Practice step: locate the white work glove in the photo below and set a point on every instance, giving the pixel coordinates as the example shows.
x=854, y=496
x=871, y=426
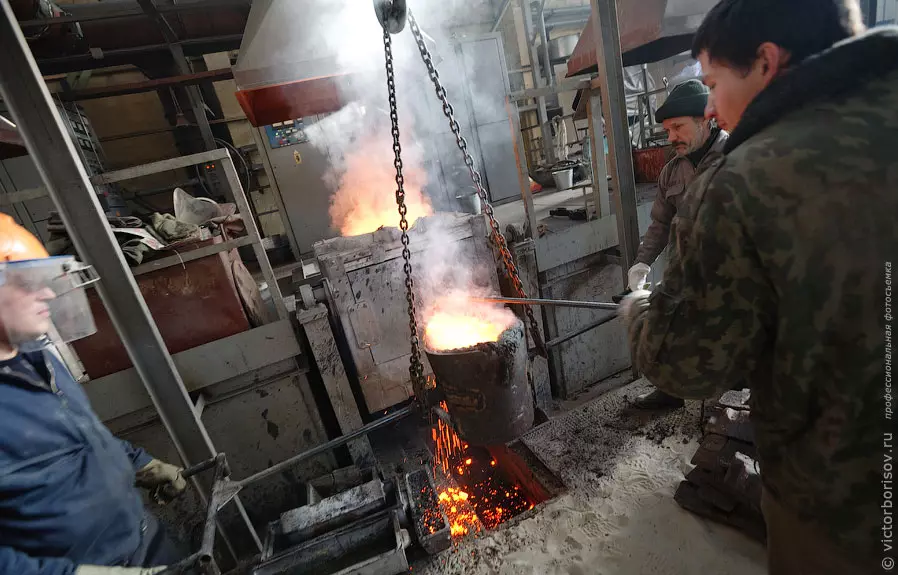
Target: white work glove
x=101, y=570
x=162, y=480
x=637, y=275
x=633, y=303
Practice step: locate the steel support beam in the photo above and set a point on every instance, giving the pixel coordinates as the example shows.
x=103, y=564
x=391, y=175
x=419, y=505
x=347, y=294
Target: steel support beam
x=125, y=56
x=611, y=81
x=544, y=43
x=102, y=12
x=26, y=95
x=596, y=135
x=193, y=92
x=537, y=82
x=177, y=52
x=189, y=79
x=502, y=10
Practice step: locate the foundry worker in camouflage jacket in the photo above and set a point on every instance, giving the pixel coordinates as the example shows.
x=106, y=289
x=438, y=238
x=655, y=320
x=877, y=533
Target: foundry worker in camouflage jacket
x=783, y=261
x=698, y=143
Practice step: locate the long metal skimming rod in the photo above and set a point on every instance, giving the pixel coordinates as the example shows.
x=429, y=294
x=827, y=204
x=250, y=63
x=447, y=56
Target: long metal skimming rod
x=549, y=302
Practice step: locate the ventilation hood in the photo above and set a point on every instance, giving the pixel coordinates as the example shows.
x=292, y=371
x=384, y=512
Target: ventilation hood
x=289, y=66
x=650, y=30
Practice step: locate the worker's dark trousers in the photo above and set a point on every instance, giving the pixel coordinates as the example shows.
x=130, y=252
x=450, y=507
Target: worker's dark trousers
x=156, y=547
x=795, y=547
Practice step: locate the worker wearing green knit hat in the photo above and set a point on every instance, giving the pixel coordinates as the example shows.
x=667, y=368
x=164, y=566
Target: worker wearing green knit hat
x=697, y=144
x=685, y=100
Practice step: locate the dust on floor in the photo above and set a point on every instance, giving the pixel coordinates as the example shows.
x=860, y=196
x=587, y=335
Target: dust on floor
x=618, y=516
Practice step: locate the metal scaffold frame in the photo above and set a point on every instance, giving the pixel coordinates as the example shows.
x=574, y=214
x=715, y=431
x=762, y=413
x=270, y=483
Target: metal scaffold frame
x=38, y=121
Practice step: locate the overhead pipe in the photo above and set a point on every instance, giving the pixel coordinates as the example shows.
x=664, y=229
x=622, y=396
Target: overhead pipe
x=94, y=31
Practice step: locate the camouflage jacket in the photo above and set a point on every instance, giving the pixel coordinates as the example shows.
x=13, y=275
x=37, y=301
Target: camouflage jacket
x=676, y=175
x=783, y=251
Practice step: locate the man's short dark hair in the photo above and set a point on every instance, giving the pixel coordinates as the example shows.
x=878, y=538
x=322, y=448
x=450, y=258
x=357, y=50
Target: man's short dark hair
x=734, y=29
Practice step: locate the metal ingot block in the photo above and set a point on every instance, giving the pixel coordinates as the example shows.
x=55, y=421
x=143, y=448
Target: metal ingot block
x=430, y=523
x=309, y=521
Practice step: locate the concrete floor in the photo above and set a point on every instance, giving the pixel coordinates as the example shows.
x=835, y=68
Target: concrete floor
x=618, y=516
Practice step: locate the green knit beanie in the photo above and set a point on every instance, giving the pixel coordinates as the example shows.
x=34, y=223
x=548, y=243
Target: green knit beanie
x=686, y=99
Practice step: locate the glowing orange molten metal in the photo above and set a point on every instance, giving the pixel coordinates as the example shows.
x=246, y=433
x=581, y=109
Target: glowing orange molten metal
x=366, y=196
x=456, y=322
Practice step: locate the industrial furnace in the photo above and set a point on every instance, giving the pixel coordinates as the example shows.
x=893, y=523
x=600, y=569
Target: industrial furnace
x=365, y=292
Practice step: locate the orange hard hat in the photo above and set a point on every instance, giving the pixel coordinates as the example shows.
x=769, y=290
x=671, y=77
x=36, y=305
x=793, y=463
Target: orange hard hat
x=17, y=243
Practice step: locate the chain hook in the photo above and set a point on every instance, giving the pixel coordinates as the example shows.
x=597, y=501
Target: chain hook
x=391, y=14
x=495, y=234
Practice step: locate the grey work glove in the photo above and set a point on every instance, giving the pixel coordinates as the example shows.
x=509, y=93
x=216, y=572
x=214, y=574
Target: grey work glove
x=632, y=304
x=162, y=480
x=101, y=570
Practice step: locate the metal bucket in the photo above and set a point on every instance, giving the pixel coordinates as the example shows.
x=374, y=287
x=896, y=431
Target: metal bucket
x=564, y=179
x=486, y=388
x=470, y=203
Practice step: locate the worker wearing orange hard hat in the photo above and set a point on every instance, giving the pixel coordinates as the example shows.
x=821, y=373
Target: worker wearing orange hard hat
x=68, y=502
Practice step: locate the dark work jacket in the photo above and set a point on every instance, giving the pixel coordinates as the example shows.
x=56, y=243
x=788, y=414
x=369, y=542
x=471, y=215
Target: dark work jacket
x=67, y=494
x=677, y=174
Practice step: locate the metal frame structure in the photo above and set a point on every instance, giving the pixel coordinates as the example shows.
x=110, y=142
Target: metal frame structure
x=40, y=125
x=614, y=107
x=224, y=160
x=225, y=490
x=564, y=253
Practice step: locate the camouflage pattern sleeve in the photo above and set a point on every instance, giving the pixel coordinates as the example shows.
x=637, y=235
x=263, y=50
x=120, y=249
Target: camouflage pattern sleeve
x=658, y=234
x=705, y=327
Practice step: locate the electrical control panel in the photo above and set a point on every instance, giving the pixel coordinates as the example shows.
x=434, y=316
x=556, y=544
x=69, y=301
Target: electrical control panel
x=288, y=133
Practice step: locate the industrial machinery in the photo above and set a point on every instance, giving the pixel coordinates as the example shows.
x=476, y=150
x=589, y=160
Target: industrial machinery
x=472, y=398
x=481, y=400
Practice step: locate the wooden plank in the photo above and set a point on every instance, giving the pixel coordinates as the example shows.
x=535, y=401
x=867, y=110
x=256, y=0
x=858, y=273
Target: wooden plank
x=123, y=392
x=711, y=453
x=732, y=423
x=196, y=254
x=736, y=399
x=330, y=366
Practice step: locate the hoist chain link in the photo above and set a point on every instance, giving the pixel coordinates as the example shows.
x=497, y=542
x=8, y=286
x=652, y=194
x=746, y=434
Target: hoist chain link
x=497, y=237
x=416, y=368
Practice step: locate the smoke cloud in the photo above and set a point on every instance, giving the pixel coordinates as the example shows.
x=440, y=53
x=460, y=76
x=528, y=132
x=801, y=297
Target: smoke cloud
x=359, y=143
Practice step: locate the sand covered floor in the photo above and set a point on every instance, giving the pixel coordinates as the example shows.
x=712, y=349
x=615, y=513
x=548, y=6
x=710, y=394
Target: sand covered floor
x=618, y=516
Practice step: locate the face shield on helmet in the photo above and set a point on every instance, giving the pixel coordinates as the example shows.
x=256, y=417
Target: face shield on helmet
x=38, y=294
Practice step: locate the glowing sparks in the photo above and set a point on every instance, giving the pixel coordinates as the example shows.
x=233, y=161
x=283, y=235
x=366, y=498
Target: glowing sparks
x=488, y=500
x=456, y=322
x=462, y=519
x=446, y=442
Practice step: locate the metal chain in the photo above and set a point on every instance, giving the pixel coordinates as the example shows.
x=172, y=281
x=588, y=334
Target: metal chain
x=416, y=368
x=498, y=239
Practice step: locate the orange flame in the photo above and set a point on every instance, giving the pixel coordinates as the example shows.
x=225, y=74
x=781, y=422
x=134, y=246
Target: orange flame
x=366, y=196
x=456, y=322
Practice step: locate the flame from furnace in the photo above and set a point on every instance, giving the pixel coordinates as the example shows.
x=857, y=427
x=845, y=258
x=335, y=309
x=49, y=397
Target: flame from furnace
x=365, y=199
x=457, y=322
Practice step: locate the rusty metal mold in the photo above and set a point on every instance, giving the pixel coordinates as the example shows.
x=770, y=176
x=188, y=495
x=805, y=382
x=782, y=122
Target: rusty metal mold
x=486, y=389
x=430, y=523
